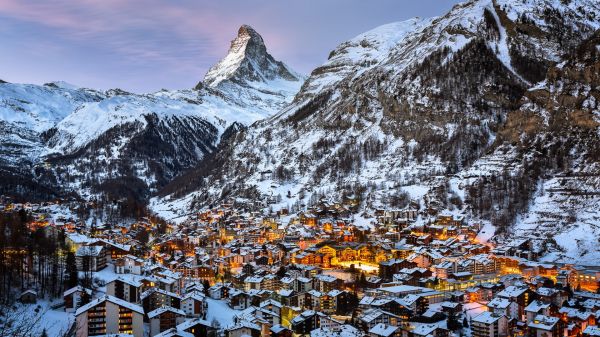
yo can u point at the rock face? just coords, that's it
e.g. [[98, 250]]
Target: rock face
[[421, 107], [556, 133], [248, 61], [122, 144]]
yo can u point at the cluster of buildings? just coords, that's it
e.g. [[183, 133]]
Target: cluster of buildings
[[321, 273]]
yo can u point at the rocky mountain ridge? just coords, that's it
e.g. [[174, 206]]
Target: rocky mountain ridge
[[91, 143]]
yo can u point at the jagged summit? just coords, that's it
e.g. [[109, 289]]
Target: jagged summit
[[167, 132], [248, 61]]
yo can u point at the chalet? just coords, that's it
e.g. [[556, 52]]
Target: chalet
[[451, 307], [90, 258], [243, 329], [271, 282], [75, 297], [487, 324], [303, 284], [424, 330], [310, 320], [219, 291], [392, 305], [114, 250], [431, 295], [272, 306], [288, 297], [155, 298], [545, 326], [578, 317], [109, 315], [383, 330], [76, 240], [503, 306], [197, 327], [129, 264], [326, 283], [520, 295], [551, 295], [194, 304], [239, 300], [280, 331], [173, 332], [125, 288], [538, 308], [28, 296], [388, 268], [372, 317], [164, 318]]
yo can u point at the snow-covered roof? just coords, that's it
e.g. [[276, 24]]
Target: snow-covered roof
[[536, 306], [78, 238], [512, 291], [77, 288], [381, 329], [88, 251], [192, 322], [163, 309], [486, 317], [592, 330], [244, 324], [112, 299], [543, 322], [424, 329], [173, 332], [499, 303]]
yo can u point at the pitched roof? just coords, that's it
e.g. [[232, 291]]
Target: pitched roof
[[111, 299], [163, 309]]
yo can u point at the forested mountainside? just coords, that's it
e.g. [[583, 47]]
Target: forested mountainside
[[61, 140], [555, 135], [427, 110]]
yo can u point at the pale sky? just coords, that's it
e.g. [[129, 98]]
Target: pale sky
[[146, 45]]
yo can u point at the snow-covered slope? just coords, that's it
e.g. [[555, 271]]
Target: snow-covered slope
[[83, 139], [400, 109], [27, 110], [557, 134]]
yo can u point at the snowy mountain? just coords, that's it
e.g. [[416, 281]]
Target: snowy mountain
[[556, 133], [249, 63], [407, 111], [117, 142]]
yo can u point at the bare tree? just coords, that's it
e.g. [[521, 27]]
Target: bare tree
[[22, 321]]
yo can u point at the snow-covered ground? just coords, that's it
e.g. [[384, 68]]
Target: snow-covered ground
[[221, 312], [40, 316], [565, 220]]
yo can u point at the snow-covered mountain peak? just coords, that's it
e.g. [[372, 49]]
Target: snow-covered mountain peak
[[62, 85], [248, 61]]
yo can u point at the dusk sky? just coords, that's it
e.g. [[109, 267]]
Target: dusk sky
[[146, 45]]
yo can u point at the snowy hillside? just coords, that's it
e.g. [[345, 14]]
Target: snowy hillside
[[81, 138], [412, 107], [558, 127]]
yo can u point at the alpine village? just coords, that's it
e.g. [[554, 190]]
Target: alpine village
[[435, 177]]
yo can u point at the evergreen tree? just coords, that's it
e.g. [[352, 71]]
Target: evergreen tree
[[71, 269], [206, 285], [281, 272], [453, 323]]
